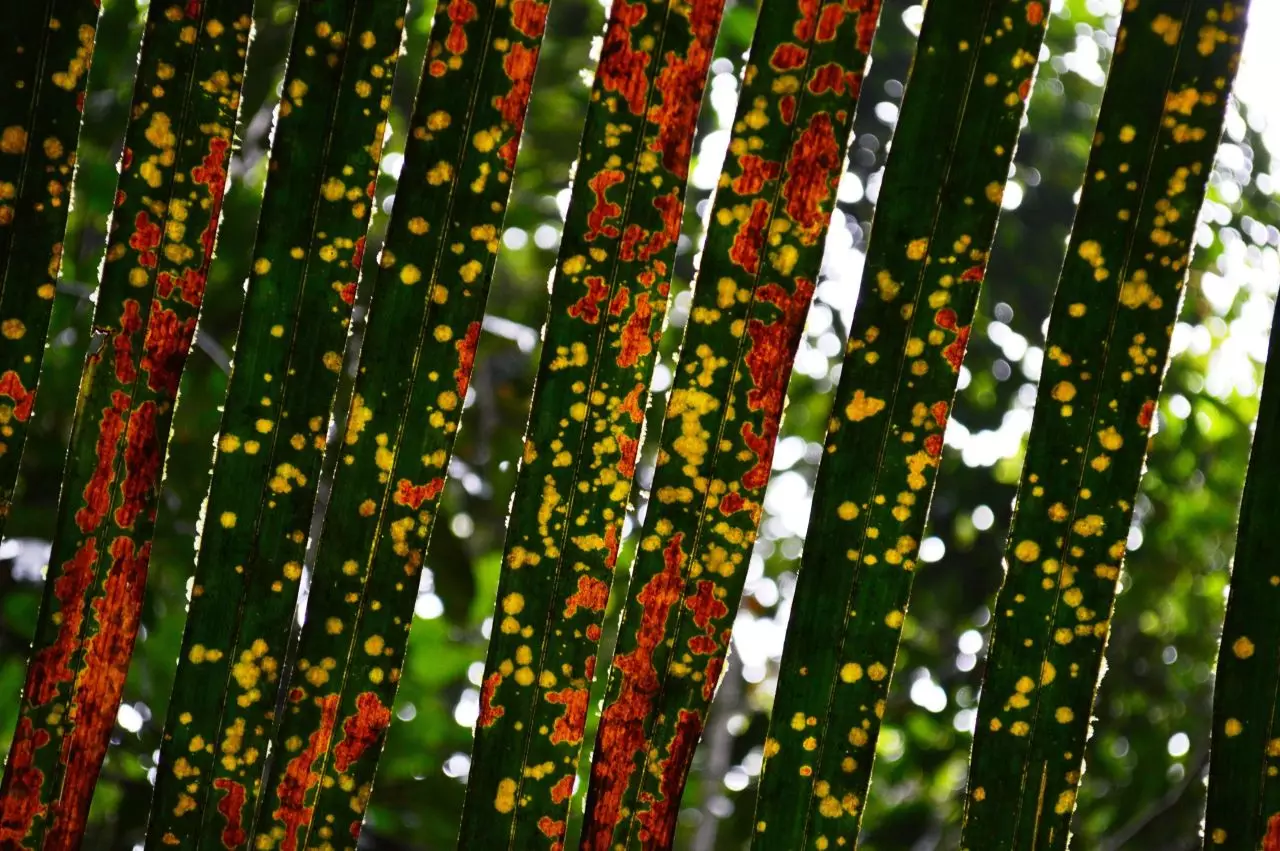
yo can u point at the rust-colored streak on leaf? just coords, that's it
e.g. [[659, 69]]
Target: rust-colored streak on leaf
[[190, 285], [519, 65], [530, 17], [635, 341], [705, 607], [145, 239], [130, 324], [165, 349], [755, 171], [489, 713], [466, 348], [658, 821], [212, 173], [50, 666], [569, 727], [622, 69], [812, 174], [592, 594], [622, 733], [300, 776], [677, 115], [954, 352], [142, 463], [118, 613], [772, 349], [97, 493], [750, 237], [22, 805], [23, 399], [231, 807], [361, 730], [587, 308], [407, 493], [604, 209]]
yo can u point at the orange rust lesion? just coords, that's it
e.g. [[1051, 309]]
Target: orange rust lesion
[[489, 711], [97, 492], [568, 728], [603, 210], [813, 171], [300, 776], [22, 805], [231, 808], [413, 496], [622, 69], [23, 399], [749, 240], [680, 84], [658, 817], [361, 730]]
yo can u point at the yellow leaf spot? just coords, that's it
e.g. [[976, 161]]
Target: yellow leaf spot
[[1242, 647], [1027, 551], [863, 406], [851, 672]]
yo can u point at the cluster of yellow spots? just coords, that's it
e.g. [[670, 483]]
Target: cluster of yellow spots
[[199, 653], [254, 664], [1091, 252], [317, 674]]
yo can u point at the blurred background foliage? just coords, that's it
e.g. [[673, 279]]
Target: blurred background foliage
[[1146, 760]]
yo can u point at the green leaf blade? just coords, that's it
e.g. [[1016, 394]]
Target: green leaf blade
[[935, 222], [1107, 347], [762, 254]]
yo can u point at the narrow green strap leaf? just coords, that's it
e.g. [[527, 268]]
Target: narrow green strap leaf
[[46, 49], [1106, 351], [1244, 795], [607, 301], [168, 202], [762, 254], [428, 301], [316, 208], [934, 225]]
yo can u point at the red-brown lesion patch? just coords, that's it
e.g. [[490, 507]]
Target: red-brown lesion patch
[[592, 594], [212, 172], [23, 399], [122, 342], [621, 737], [812, 173], [658, 819], [489, 712], [411, 495], [530, 17], [749, 240], [954, 352], [50, 668], [165, 349], [622, 69], [461, 13], [569, 726], [300, 777], [143, 459], [587, 308], [231, 808], [707, 608], [145, 239], [97, 493], [21, 805], [754, 171], [519, 65], [636, 340], [603, 210], [466, 348], [361, 730], [680, 84]]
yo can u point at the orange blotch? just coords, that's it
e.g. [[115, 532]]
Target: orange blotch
[[974, 274], [49, 666], [530, 17], [658, 820], [680, 84], [1035, 13], [636, 340], [611, 544], [461, 13], [212, 172], [587, 308], [23, 399], [299, 776], [21, 803], [553, 829], [621, 736], [568, 727], [805, 27], [745, 251], [1271, 842], [621, 69], [603, 209], [407, 493], [831, 77], [357, 256], [519, 65], [348, 294], [592, 594], [488, 712], [787, 109], [122, 341], [231, 808], [868, 17], [99, 686], [812, 174], [829, 21], [773, 348], [732, 503], [97, 493], [145, 239], [1146, 413], [165, 349], [563, 790], [755, 172], [706, 608], [190, 284], [954, 353], [787, 56], [143, 459], [361, 730], [466, 348]]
